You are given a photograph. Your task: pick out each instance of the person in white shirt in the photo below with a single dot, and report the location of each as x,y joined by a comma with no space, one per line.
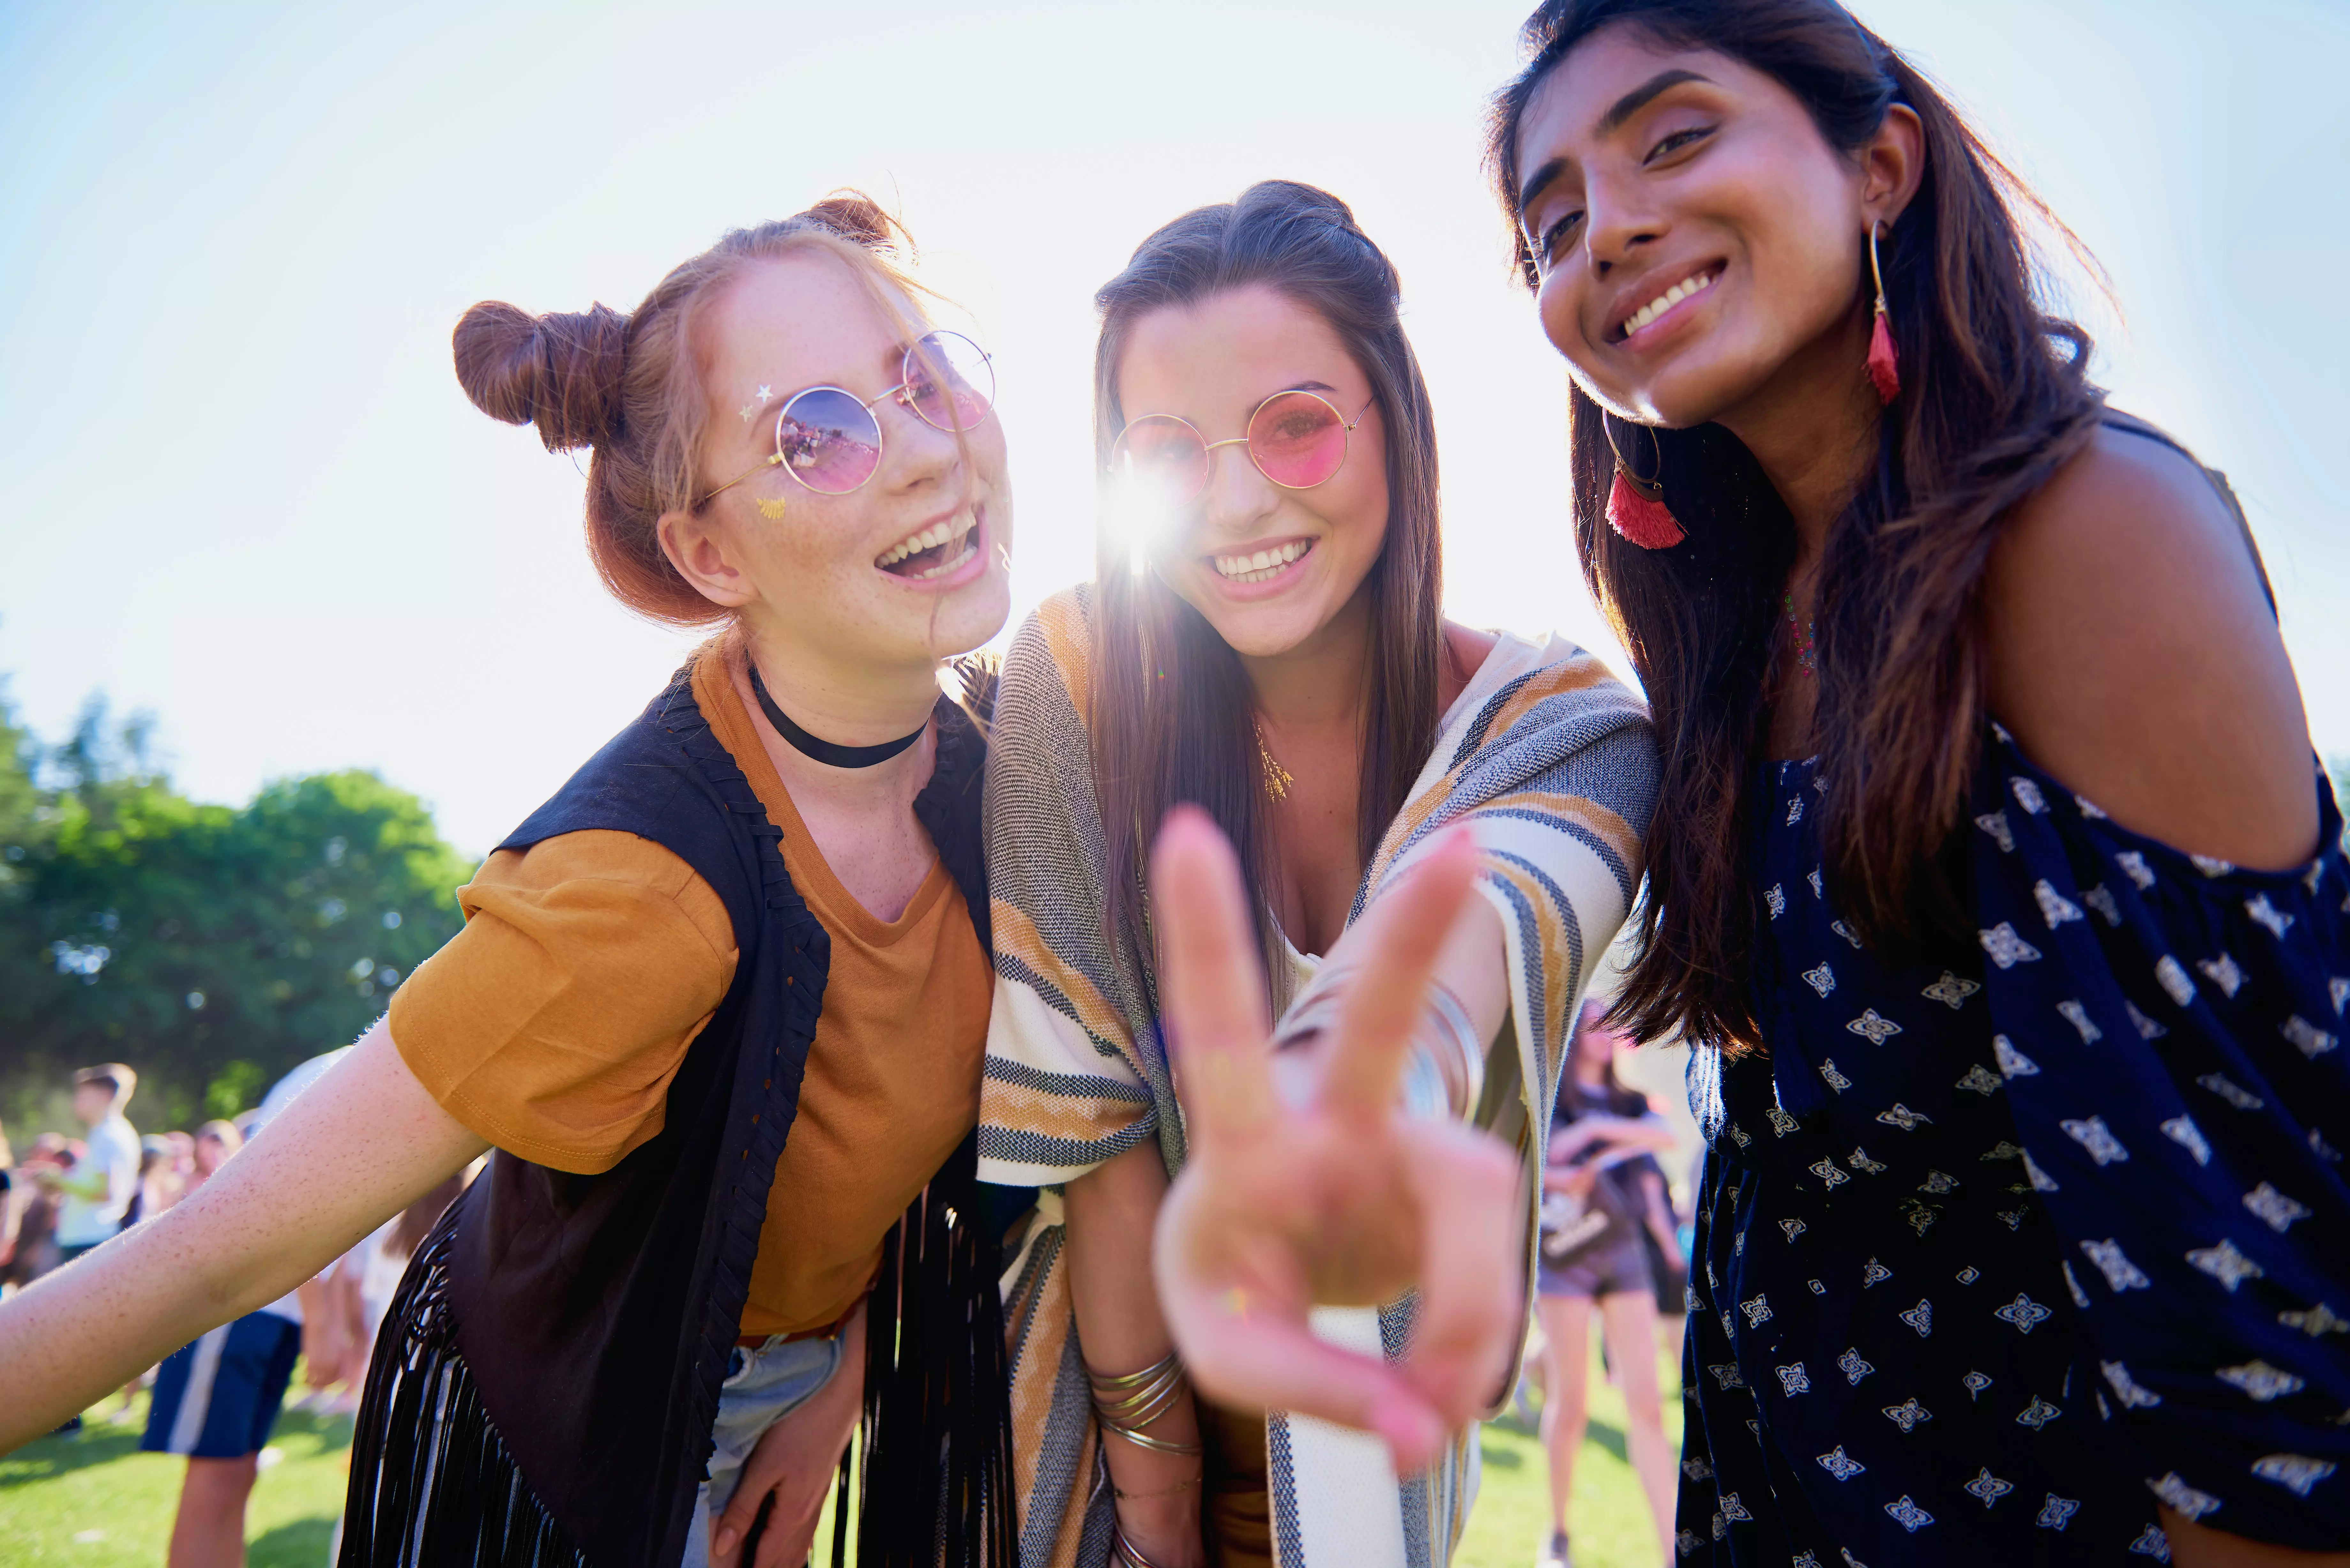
98,1190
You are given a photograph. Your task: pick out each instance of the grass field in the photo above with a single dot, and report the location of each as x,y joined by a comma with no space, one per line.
92,1501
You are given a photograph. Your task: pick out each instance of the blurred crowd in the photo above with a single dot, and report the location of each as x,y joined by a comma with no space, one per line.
215,1400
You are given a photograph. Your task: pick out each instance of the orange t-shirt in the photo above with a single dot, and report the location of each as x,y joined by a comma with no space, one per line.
552,1022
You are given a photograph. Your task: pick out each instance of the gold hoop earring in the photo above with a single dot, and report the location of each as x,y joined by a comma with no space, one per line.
1883,364
1636,506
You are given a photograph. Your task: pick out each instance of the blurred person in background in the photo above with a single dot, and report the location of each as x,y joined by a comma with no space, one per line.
1993,882
1597,1218
217,1399
104,1183
182,1164
215,1142
13,1195
36,1242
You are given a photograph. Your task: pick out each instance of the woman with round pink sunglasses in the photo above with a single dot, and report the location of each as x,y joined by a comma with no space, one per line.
1264,639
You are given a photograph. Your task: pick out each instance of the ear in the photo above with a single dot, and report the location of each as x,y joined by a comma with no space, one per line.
700,547
1893,165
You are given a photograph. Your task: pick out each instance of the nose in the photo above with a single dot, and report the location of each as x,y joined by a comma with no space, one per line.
1619,221
1239,496
914,452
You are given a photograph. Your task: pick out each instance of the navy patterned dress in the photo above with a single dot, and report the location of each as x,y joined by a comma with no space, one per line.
1998,1248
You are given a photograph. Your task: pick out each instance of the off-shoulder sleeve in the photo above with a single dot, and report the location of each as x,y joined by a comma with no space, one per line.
552,1022
2170,1035
1066,1085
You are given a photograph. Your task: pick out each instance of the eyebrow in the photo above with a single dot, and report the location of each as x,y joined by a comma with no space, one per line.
1622,109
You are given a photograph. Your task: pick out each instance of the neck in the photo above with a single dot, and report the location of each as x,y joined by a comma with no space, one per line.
1812,429
1320,684
848,702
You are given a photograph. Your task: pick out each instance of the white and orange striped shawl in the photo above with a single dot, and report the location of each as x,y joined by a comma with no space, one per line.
1551,764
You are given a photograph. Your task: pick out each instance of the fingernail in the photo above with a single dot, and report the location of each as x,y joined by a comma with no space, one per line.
724,1544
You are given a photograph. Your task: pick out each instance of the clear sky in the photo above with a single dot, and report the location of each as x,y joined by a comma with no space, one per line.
240,487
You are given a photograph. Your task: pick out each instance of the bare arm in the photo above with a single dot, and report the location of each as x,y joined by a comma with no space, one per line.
1113,1210
353,1150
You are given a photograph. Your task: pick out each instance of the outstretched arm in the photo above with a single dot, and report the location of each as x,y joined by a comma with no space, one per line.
353,1150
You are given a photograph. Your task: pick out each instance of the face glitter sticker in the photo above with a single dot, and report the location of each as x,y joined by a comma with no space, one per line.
765,396
773,510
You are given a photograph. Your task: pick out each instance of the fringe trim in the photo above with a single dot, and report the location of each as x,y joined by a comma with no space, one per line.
936,1439
432,1482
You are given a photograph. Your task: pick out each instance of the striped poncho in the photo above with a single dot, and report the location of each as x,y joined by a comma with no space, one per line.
1551,764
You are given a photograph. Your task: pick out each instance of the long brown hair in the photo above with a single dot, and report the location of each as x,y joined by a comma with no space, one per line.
1994,398
1172,715
630,387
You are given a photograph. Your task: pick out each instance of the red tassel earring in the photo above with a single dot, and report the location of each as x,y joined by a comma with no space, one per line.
1883,364
1636,506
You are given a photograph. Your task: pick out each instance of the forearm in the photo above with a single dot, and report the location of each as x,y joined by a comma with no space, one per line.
1113,1213
359,1146
1472,971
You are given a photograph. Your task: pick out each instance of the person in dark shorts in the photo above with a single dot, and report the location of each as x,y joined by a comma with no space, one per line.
1602,1142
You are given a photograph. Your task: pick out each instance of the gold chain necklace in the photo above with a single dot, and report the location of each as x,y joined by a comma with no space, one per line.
1277,779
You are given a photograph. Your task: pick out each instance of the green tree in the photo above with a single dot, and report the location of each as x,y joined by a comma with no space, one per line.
210,948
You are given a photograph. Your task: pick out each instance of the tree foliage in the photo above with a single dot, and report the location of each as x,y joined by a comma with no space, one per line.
210,948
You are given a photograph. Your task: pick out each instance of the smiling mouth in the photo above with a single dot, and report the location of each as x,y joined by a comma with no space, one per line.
938,549
1261,566
1688,288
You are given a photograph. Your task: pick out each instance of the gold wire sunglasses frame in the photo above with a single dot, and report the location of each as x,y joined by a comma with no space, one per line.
912,368
1206,448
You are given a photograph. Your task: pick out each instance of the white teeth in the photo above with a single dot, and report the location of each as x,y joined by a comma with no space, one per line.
929,538
968,551
1263,563
1665,301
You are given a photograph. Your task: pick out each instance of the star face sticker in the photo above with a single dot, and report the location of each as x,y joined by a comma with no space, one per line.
765,396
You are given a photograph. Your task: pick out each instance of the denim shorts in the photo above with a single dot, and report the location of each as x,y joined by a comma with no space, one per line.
763,1384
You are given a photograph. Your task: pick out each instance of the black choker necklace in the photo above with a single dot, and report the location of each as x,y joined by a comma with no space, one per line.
825,752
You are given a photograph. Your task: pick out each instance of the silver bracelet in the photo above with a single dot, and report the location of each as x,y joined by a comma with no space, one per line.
1459,1036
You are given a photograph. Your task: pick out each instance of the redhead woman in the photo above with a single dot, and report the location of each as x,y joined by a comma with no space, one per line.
719,1007
1271,645
1992,874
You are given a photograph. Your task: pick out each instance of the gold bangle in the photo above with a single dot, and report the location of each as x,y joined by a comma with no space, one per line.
1124,1553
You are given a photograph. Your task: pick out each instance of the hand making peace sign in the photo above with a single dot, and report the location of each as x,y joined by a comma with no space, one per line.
1327,1195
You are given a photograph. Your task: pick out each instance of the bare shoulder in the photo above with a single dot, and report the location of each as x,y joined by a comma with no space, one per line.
1465,652
2134,655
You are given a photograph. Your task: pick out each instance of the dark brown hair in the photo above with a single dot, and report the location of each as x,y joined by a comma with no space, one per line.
1172,717
1994,398
630,387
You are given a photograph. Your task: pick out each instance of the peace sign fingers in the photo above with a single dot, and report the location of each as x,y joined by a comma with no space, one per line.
1212,979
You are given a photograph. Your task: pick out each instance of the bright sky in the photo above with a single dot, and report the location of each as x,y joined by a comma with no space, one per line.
239,485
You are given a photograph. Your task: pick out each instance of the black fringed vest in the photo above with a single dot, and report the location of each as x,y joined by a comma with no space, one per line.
543,1388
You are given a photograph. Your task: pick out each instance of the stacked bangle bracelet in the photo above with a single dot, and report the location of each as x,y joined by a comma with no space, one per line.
1125,1404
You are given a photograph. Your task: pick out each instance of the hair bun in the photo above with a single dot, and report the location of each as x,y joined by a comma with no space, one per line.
854,215
561,372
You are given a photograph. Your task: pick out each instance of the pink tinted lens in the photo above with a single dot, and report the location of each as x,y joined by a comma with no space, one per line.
1164,453
829,440
1297,441
950,381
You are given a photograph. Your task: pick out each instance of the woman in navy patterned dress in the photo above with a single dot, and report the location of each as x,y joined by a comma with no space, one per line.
1991,873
